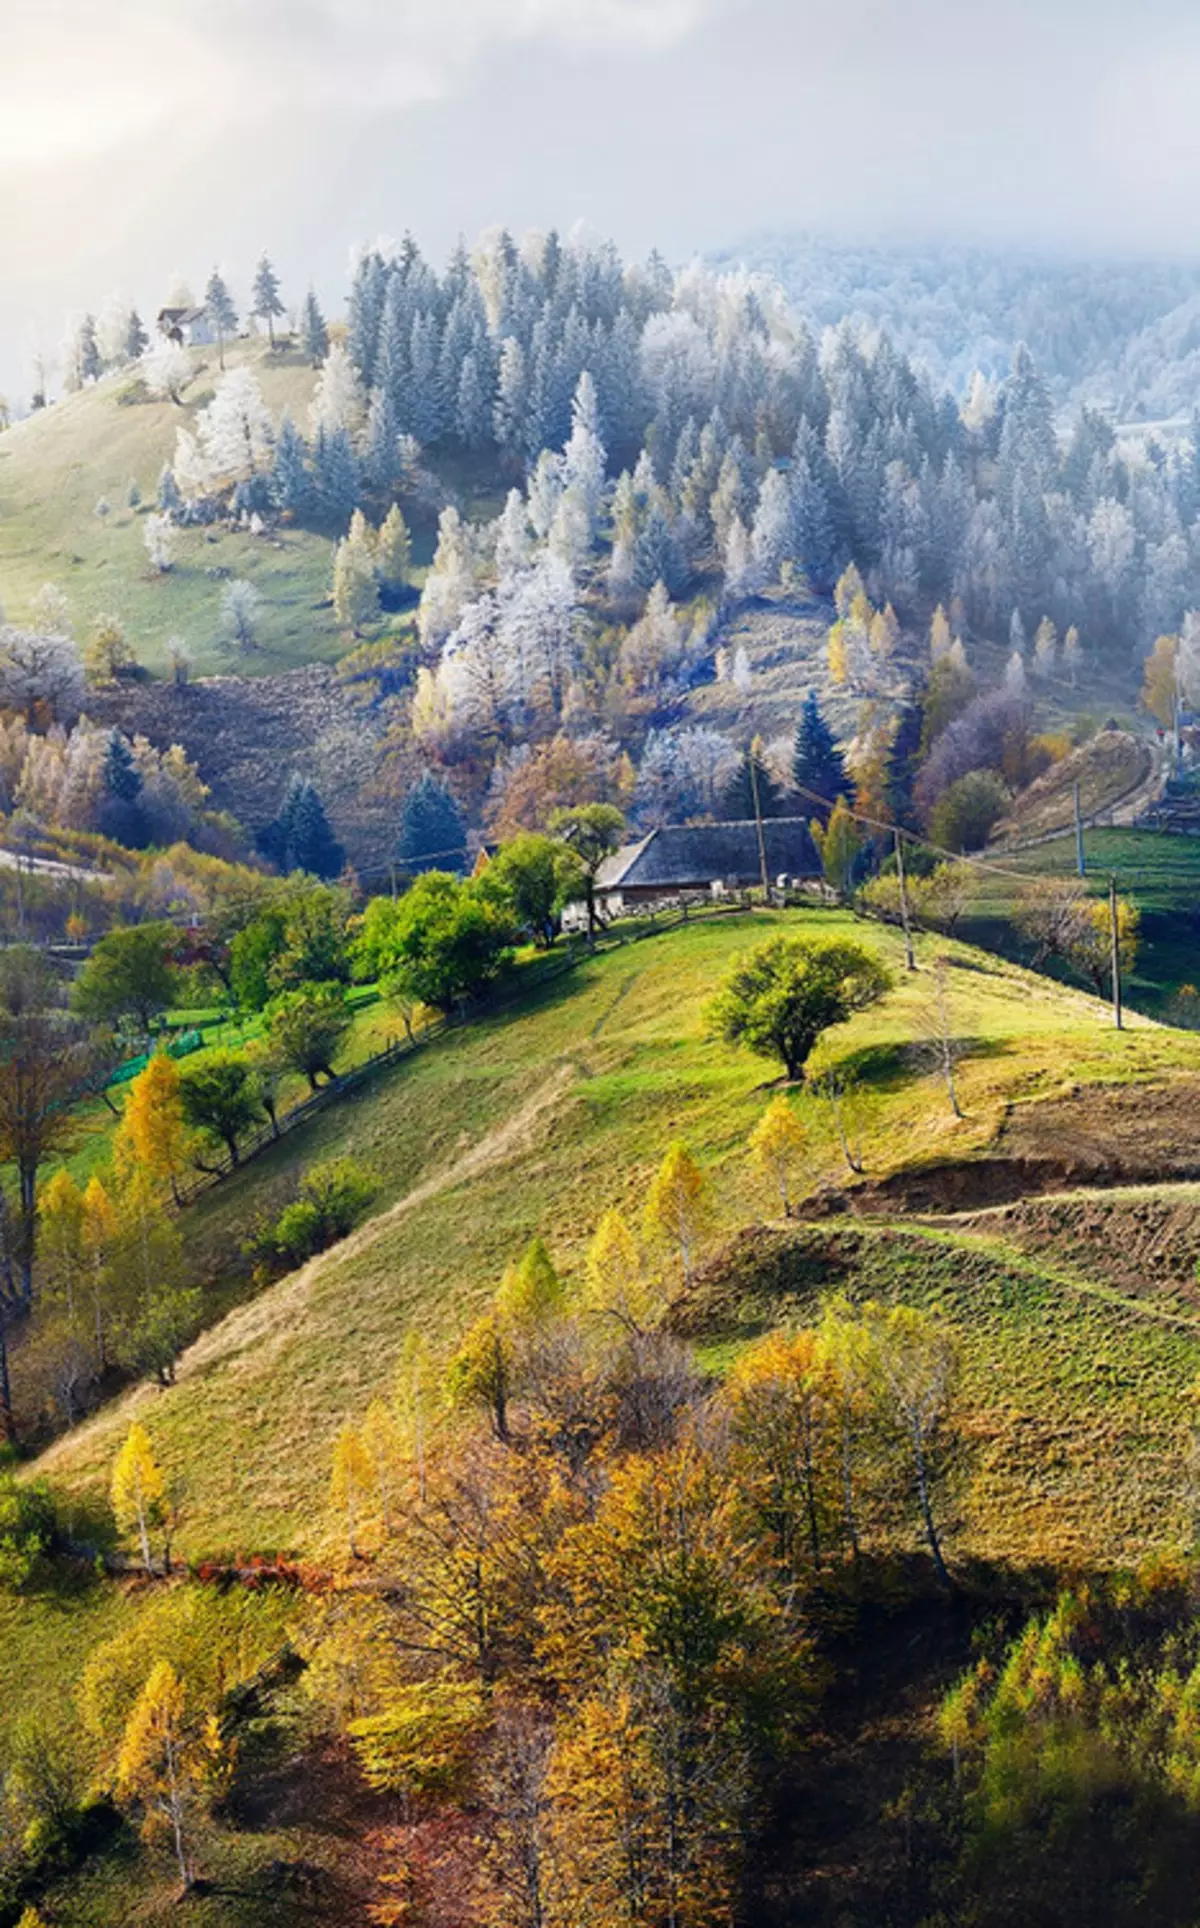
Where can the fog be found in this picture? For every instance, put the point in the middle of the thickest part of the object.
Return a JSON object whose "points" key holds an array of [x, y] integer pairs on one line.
{"points": [[140, 139]]}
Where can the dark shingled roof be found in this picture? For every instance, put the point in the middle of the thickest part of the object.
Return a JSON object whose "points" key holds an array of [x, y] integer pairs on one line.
{"points": [[693, 856]]}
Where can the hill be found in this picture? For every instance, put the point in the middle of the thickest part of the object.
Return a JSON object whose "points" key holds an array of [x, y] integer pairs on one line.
{"points": [[1074, 1362], [57, 465], [535, 1121]]}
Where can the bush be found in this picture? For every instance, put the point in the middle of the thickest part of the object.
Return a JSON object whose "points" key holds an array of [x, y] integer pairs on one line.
{"points": [[964, 818], [27, 1528], [333, 1197]]}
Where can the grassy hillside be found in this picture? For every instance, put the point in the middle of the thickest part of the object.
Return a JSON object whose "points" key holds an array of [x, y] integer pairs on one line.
{"points": [[535, 1122], [56, 466], [1160, 873]]}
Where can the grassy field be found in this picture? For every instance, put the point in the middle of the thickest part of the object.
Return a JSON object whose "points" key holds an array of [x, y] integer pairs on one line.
{"points": [[535, 1122], [1160, 873]]}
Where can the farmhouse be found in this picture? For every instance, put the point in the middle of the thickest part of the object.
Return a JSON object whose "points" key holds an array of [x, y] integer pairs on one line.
{"points": [[190, 327], [683, 859]]}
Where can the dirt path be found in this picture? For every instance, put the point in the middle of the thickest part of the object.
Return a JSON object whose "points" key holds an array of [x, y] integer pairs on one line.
{"points": [[272, 1317]]}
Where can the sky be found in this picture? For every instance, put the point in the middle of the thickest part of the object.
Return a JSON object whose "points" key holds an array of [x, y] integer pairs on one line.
{"points": [[144, 138]]}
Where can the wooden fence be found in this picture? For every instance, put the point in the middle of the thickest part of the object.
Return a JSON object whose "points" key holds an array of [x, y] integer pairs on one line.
{"points": [[652, 924]]}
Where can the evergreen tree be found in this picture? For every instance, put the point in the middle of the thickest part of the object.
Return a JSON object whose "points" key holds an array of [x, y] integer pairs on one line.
{"points": [[737, 798], [218, 303], [90, 362], [472, 410], [300, 837], [817, 764], [364, 313], [291, 486], [170, 497], [337, 477], [902, 763], [432, 829], [313, 331], [265, 302], [122, 778], [136, 338], [393, 554]]}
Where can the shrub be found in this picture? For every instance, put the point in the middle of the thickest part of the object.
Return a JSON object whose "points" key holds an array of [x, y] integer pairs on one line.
{"points": [[333, 1197], [27, 1528], [965, 816]]}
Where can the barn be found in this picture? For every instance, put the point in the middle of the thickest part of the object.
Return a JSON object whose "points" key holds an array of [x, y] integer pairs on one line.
{"points": [[706, 859]]}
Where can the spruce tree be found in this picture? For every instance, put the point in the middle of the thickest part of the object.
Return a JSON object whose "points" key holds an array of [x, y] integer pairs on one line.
{"points": [[337, 477], [432, 830], [313, 331], [218, 303], [737, 798], [816, 760], [265, 302], [122, 778], [291, 485], [902, 763], [136, 338], [300, 838]]}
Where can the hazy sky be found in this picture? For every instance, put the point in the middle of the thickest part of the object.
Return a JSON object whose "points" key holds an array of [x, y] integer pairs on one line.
{"points": [[140, 137]]}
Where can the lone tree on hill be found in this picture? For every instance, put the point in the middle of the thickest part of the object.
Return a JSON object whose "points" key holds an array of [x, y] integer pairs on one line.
{"points": [[817, 764], [738, 797], [780, 998], [220, 1098], [313, 330], [264, 299]]}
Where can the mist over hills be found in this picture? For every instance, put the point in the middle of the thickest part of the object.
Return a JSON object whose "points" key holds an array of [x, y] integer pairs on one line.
{"points": [[1118, 332]]}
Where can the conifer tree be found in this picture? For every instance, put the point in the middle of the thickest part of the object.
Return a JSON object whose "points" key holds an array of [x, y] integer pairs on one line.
{"points": [[265, 302], [817, 765], [393, 554], [432, 828], [738, 797], [531, 1291], [136, 338], [291, 485], [615, 1279], [218, 303], [355, 588], [313, 331]]}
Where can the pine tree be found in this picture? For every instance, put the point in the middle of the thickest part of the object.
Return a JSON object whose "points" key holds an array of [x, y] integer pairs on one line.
{"points": [[817, 765], [313, 331], [337, 477], [291, 485], [136, 338], [472, 413], [91, 365], [218, 303], [265, 302], [122, 778], [531, 1292], [432, 828], [615, 1285], [305, 840], [382, 451], [737, 798]]}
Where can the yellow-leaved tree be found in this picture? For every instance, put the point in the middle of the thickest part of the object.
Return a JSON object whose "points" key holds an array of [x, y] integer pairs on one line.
{"points": [[678, 1207], [381, 1438], [154, 1765], [351, 1482], [414, 1400], [60, 1215], [777, 1148], [153, 1133], [138, 1490], [615, 1279], [99, 1230], [531, 1291]]}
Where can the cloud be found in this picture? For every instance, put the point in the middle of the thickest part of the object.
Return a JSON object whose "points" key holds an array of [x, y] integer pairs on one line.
{"points": [[80, 77]]}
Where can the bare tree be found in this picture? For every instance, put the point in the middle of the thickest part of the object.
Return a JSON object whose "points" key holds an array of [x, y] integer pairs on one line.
{"points": [[938, 1037]]}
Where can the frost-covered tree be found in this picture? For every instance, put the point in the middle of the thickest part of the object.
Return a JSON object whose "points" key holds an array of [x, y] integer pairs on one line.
{"points": [[234, 433], [773, 536], [339, 402], [166, 369], [653, 649], [584, 458], [158, 535], [291, 485], [449, 584], [241, 605]]}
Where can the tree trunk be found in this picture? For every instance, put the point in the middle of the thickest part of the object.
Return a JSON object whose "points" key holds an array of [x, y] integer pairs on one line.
{"points": [[8, 1425], [935, 1545]]}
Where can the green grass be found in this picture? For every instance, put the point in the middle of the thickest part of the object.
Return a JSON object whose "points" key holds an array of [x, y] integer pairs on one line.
{"points": [[558, 1111], [1160, 873]]}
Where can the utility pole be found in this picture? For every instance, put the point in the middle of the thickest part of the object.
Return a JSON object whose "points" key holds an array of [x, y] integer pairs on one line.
{"points": [[1080, 865], [1118, 1017], [909, 959], [758, 822]]}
